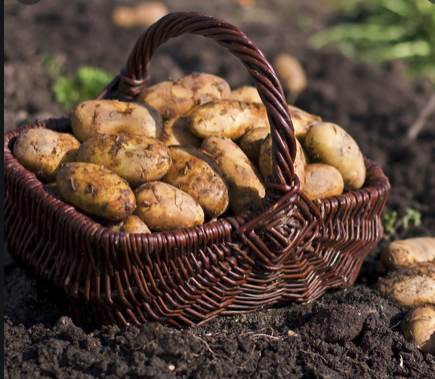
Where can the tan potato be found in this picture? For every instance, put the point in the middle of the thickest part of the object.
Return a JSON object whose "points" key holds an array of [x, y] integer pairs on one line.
{"points": [[406, 252], [266, 160], [179, 98], [410, 286], [196, 174], [251, 142], [328, 143], [132, 224], [176, 132], [42, 151], [96, 118], [243, 178], [322, 181], [96, 190], [302, 121], [418, 326], [248, 94], [163, 207], [291, 74], [136, 158]]}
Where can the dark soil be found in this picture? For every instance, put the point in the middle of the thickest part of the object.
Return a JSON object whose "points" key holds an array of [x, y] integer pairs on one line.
{"points": [[352, 333]]}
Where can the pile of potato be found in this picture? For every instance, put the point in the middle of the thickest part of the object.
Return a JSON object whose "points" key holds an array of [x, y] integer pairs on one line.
{"points": [[185, 152]]}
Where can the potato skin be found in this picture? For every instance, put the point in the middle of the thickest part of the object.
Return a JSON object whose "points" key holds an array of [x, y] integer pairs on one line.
{"points": [[163, 207], [418, 326], [322, 181], [328, 143], [302, 121], [243, 178], [96, 118], [251, 142], [196, 174], [42, 151], [248, 94], [176, 133], [132, 224], [136, 158], [178, 98], [96, 191]]}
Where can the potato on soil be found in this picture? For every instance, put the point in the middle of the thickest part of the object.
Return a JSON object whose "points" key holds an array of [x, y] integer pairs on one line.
{"points": [[163, 207], [322, 181], [96, 118], [42, 151], [243, 178], [266, 160], [196, 174], [179, 98], [96, 190], [136, 158], [176, 133], [248, 94], [406, 252], [133, 224], [251, 142], [410, 286], [328, 143], [418, 326]]}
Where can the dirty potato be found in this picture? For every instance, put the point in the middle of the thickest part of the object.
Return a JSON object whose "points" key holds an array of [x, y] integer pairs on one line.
{"points": [[132, 224], [266, 160], [177, 133], [245, 182], [136, 158], [251, 142], [96, 190], [322, 181], [418, 326], [248, 94], [96, 118], [302, 121], [42, 151], [328, 143], [163, 207], [178, 98], [196, 174]]}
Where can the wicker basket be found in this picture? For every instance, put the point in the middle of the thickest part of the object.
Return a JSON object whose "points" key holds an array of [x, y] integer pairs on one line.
{"points": [[290, 250]]}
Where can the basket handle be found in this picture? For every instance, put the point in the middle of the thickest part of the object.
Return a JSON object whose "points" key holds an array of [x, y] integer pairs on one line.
{"points": [[134, 77]]}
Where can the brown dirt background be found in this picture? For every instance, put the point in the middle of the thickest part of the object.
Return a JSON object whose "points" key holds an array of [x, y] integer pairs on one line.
{"points": [[352, 333]]}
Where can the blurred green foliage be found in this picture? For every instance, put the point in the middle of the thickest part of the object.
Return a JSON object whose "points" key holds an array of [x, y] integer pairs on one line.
{"points": [[385, 30]]}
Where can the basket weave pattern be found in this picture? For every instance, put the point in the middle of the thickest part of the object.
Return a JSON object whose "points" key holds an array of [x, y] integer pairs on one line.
{"points": [[289, 250]]}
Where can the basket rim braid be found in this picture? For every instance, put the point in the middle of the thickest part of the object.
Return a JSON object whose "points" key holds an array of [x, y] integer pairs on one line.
{"points": [[289, 250]]}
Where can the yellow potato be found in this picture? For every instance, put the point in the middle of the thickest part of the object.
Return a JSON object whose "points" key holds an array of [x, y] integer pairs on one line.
{"points": [[163, 207], [178, 98], [266, 160], [418, 326], [196, 174], [248, 94], [251, 142], [96, 118], [176, 132], [42, 151], [96, 190], [322, 181], [136, 158], [133, 224], [406, 252], [290, 72], [245, 182], [328, 143]]}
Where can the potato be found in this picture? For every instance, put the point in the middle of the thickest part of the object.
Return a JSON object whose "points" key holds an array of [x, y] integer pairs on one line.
{"points": [[328, 143], [96, 190], [291, 74], [96, 118], [132, 224], [302, 121], [251, 142], [136, 158], [53, 190], [196, 174], [178, 98], [266, 160], [163, 207], [248, 94], [410, 286], [406, 252], [176, 132], [243, 178], [322, 181], [418, 326], [42, 151]]}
